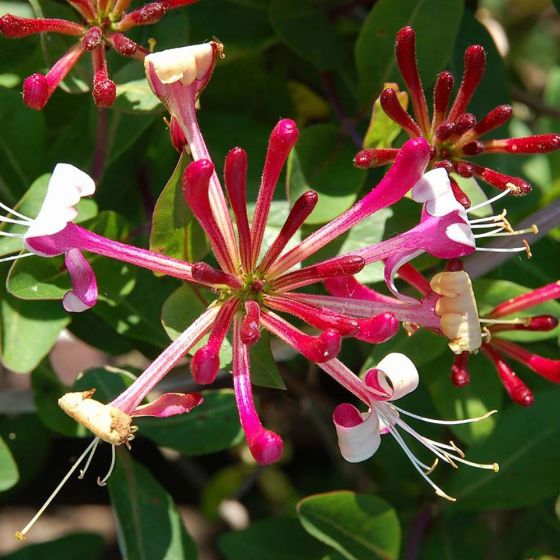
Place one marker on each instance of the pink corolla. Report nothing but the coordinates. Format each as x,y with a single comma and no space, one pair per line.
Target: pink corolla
103,26
454,134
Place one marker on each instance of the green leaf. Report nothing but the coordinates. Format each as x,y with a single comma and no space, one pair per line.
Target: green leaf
374,53
182,308
525,444
175,232
490,293
134,94
138,315
305,27
483,394
422,347
382,130
9,474
79,546
264,371
29,330
278,538
29,443
212,426
321,162
359,526
108,382
47,389
22,144
149,523
243,25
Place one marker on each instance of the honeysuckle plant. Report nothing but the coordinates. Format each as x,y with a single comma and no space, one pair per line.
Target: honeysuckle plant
103,26
256,285
358,292
455,135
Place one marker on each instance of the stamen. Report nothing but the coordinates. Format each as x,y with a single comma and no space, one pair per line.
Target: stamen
12,221
496,218
92,453
433,467
518,321
505,192
9,234
444,422
497,233
15,257
103,481
20,535
507,250
15,212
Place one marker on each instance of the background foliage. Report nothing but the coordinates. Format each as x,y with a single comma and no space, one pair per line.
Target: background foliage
321,62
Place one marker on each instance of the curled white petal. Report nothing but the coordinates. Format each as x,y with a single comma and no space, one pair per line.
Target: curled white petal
360,441
400,375
67,186
184,64
434,189
461,233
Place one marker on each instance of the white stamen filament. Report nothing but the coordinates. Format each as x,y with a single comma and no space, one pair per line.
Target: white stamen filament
519,321
103,481
489,201
497,233
496,218
13,221
89,459
10,234
15,257
20,535
15,212
444,422
502,249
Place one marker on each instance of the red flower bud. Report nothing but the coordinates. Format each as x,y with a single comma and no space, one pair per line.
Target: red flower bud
442,94
473,148
459,370
464,122
393,109
36,91
445,130
537,144
494,119
92,38
104,92
374,157
501,181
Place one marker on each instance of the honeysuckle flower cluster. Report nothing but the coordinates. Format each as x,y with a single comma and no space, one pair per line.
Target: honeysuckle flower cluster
103,25
455,136
256,286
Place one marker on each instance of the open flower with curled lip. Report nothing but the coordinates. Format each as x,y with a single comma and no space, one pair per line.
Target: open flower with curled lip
454,134
103,26
509,316
359,434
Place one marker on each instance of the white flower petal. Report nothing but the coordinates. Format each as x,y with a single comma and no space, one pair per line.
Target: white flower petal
434,189
67,186
357,440
184,64
461,233
401,375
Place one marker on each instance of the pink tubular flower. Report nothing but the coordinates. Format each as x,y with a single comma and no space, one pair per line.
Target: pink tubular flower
102,27
454,135
359,434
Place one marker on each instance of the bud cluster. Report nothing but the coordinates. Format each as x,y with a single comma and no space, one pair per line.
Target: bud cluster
454,134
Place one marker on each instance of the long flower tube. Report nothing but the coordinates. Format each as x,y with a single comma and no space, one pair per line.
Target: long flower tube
455,136
359,434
